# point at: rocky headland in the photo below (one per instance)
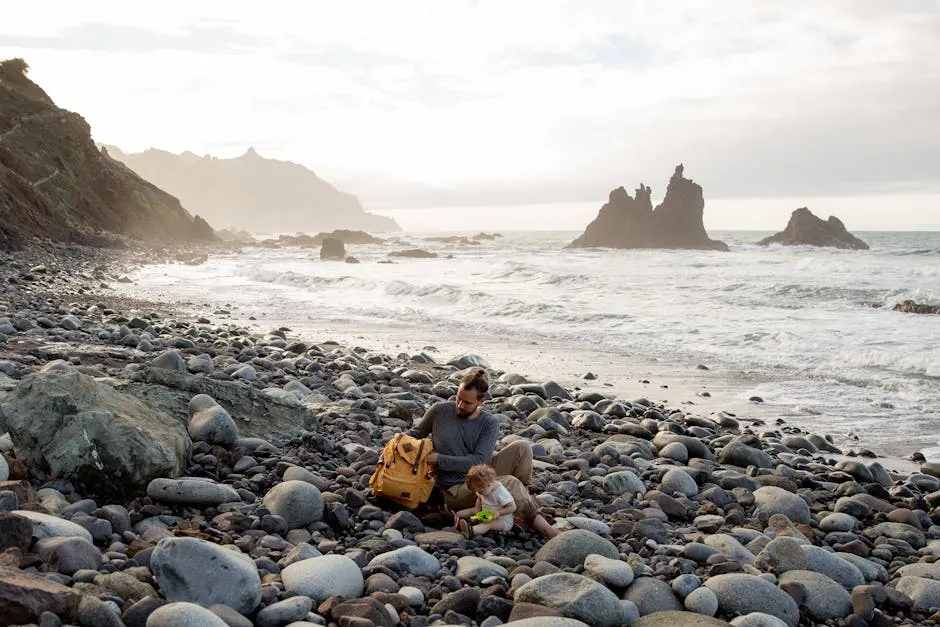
(55, 183)
(806, 229)
(631, 222)
(164, 469)
(254, 193)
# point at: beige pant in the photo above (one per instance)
(513, 466)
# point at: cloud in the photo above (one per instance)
(117, 38)
(423, 103)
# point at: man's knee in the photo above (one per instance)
(521, 447)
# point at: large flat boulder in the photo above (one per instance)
(257, 415)
(80, 429)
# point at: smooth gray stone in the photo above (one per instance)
(825, 599)
(49, 526)
(570, 548)
(409, 559)
(831, 565)
(742, 594)
(298, 502)
(612, 572)
(283, 612)
(773, 500)
(322, 577)
(924, 592)
(573, 596)
(182, 614)
(191, 491)
(652, 595)
(193, 570)
(210, 422)
(472, 570)
(70, 554)
(622, 482)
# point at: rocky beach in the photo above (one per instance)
(162, 469)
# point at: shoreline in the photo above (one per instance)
(679, 498)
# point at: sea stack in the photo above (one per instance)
(807, 229)
(631, 222)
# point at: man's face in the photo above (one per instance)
(467, 402)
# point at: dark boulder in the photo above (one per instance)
(631, 222)
(806, 229)
(414, 253)
(332, 248)
(909, 306)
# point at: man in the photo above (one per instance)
(464, 436)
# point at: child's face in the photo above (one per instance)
(487, 488)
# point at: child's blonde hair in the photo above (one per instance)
(480, 476)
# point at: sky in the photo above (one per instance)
(529, 111)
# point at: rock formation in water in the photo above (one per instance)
(253, 193)
(910, 306)
(55, 183)
(631, 222)
(806, 229)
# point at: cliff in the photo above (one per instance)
(806, 229)
(631, 222)
(253, 193)
(55, 183)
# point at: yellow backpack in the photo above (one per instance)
(403, 474)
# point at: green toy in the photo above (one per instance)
(483, 516)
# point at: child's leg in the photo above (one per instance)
(480, 529)
(541, 525)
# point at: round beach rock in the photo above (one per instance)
(191, 491)
(924, 592)
(679, 481)
(742, 594)
(409, 559)
(193, 570)
(652, 595)
(69, 554)
(297, 502)
(49, 526)
(574, 596)
(612, 572)
(678, 619)
(773, 500)
(570, 548)
(825, 599)
(473, 570)
(757, 619)
(622, 482)
(209, 422)
(782, 554)
(323, 577)
(549, 621)
(183, 615)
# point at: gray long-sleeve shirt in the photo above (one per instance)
(460, 443)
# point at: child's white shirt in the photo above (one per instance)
(496, 499)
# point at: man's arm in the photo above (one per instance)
(424, 426)
(481, 454)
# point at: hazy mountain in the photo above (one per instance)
(55, 183)
(253, 193)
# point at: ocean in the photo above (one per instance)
(809, 331)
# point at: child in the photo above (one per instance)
(492, 496)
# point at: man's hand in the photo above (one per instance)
(432, 458)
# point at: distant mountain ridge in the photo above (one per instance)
(253, 193)
(56, 184)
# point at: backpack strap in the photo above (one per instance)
(414, 469)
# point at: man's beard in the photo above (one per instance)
(464, 414)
